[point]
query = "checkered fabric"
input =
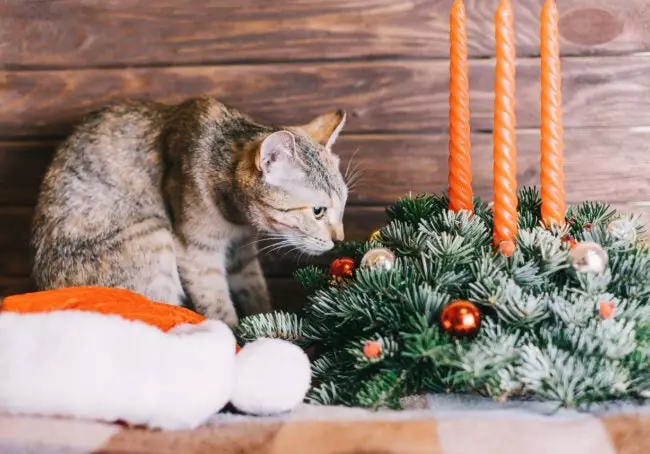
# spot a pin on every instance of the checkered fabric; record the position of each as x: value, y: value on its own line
x: 431, y: 424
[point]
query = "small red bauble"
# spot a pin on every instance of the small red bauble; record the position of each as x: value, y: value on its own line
x: 506, y: 248
x: 372, y: 349
x: 237, y: 348
x: 342, y: 267
x: 606, y: 309
x: 461, y: 318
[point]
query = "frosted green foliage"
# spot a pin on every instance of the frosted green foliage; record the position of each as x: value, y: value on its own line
x: 542, y: 335
x: 278, y: 325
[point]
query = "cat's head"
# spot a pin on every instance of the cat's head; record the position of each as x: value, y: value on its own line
x: 301, y: 192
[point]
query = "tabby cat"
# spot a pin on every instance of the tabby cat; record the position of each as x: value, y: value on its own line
x: 169, y: 200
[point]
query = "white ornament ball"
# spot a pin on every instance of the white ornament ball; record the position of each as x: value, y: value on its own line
x: 378, y: 258
x: 623, y: 230
x: 588, y: 257
x: 271, y: 376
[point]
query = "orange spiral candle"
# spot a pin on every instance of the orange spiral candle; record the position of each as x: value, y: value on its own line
x: 460, y: 162
x: 505, y: 146
x: 552, y: 172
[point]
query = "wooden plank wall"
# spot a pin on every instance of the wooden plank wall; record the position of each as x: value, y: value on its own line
x: 384, y: 61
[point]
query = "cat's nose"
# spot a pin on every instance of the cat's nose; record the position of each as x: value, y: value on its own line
x: 337, y: 234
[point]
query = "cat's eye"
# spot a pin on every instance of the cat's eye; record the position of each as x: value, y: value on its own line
x: 319, y: 212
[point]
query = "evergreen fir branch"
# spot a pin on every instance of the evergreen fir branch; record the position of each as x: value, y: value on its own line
x: 483, y: 211
x: 572, y: 308
x: 412, y: 210
x: 607, y: 339
x: 630, y: 271
x: 487, y: 276
x: 440, y: 275
x: 479, y: 367
x: 422, y: 300
x: 518, y: 308
x: 525, y: 274
x: 277, y: 325
x: 382, y: 390
x: 471, y: 228
x: 426, y: 343
x: 354, y: 249
x: 558, y: 375
x: 590, y: 283
x: 453, y: 250
x: 402, y: 237
x: 585, y: 216
x: 529, y: 208
x: 333, y: 365
x: 311, y: 278
x: 329, y: 393
x: 545, y: 249
x: 529, y: 200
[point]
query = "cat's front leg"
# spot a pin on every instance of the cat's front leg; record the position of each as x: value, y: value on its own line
x: 246, y: 279
x: 202, y: 267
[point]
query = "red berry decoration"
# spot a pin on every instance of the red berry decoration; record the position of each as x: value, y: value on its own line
x: 506, y: 248
x: 569, y: 241
x: 372, y: 349
x: 461, y: 318
x: 342, y: 268
x: 237, y: 348
x: 606, y: 309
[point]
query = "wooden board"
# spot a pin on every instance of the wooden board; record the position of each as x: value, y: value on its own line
x: 67, y: 33
x: 379, y: 96
x: 603, y: 164
x: 359, y: 223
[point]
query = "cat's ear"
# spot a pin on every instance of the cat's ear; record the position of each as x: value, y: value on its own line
x: 276, y: 157
x: 326, y: 128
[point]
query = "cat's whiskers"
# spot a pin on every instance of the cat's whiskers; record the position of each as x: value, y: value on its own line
x: 275, y: 247
x: 352, y: 174
x: 356, y: 179
x: 264, y: 238
x: 347, y: 169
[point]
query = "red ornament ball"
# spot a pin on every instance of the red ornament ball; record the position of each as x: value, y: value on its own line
x: 606, y: 309
x: 342, y: 267
x: 372, y: 349
x: 461, y: 318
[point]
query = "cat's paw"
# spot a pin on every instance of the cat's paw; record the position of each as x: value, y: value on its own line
x: 228, y: 316
x: 231, y: 319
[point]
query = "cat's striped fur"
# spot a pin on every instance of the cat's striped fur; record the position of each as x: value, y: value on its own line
x: 168, y: 201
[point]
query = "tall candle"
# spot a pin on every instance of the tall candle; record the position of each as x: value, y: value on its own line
x: 552, y: 172
x: 460, y: 162
x: 505, y: 146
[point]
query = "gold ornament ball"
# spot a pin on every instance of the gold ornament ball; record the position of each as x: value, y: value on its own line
x: 378, y: 258
x: 588, y: 257
x: 375, y: 236
x: 461, y: 318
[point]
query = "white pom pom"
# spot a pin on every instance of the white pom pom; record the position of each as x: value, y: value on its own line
x: 271, y: 376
